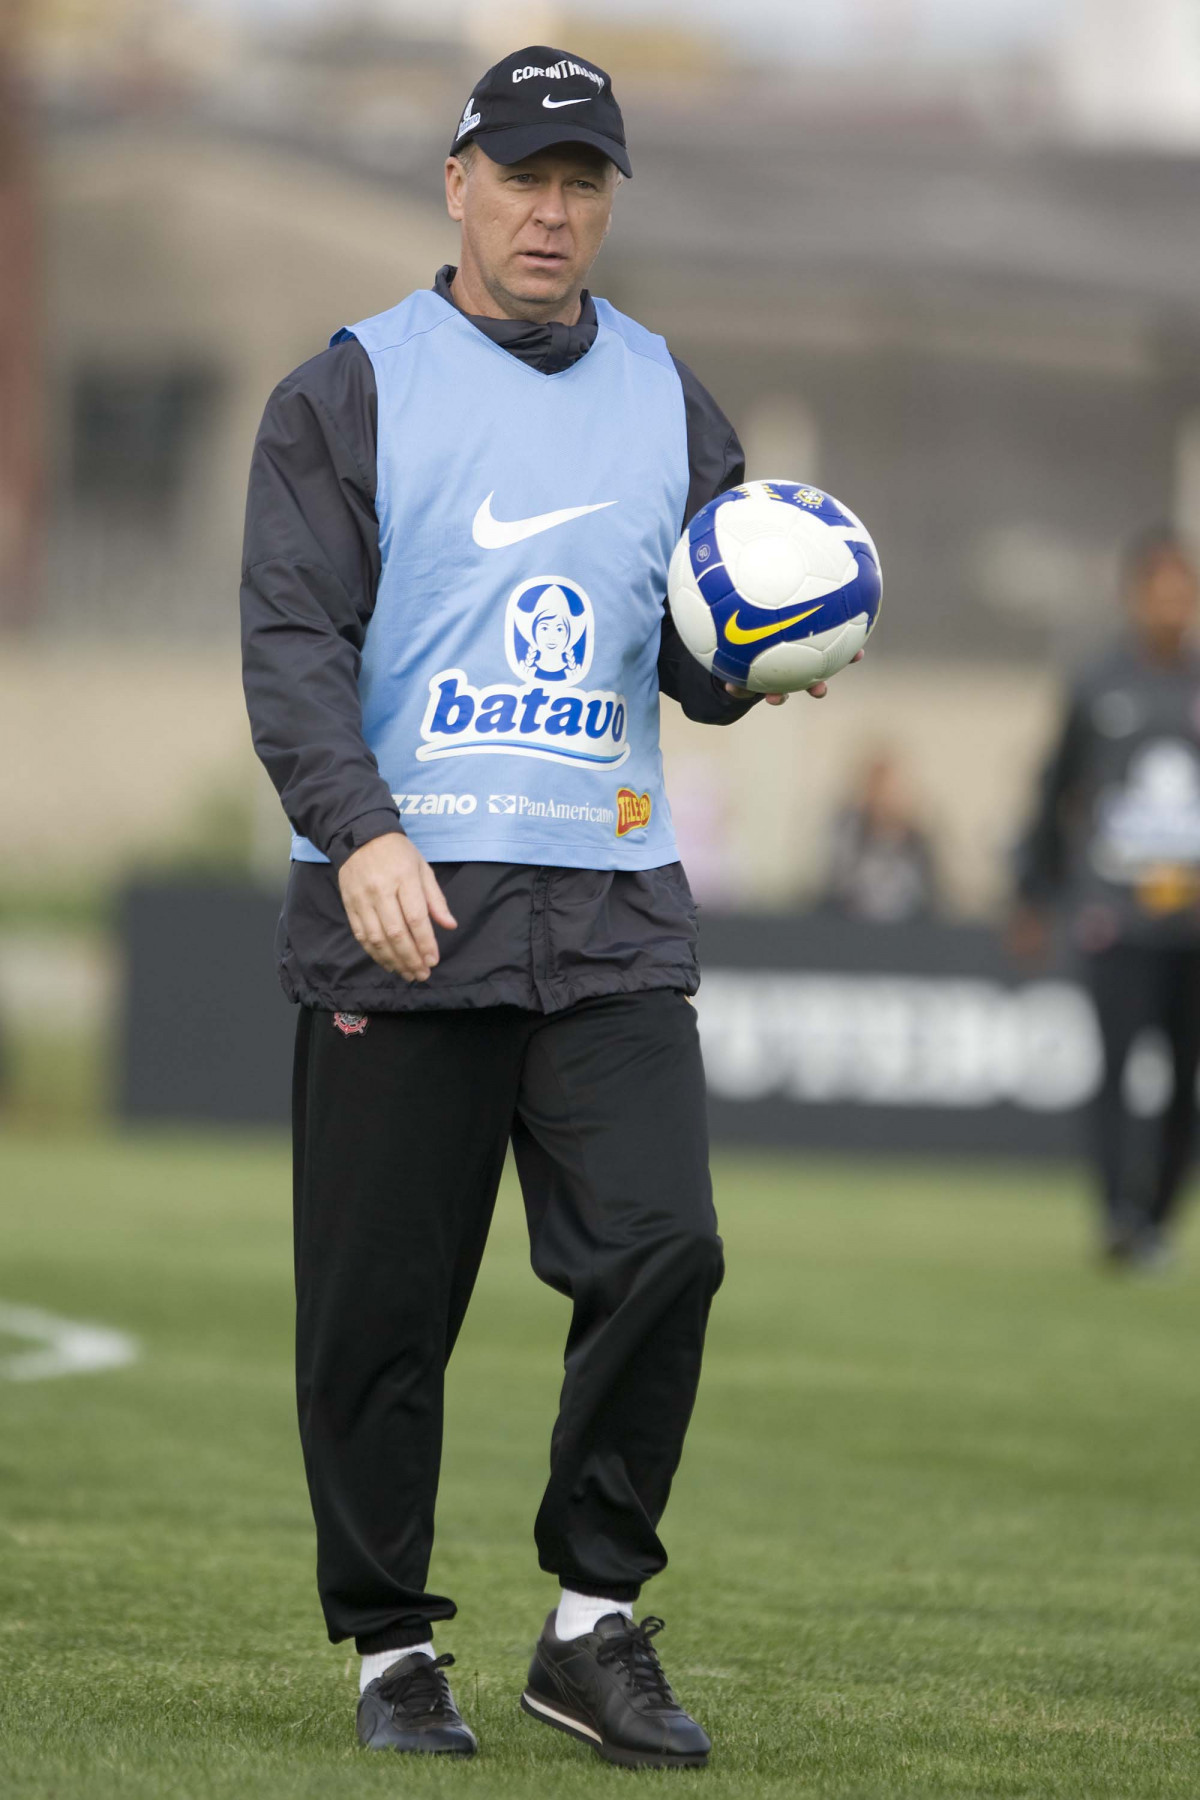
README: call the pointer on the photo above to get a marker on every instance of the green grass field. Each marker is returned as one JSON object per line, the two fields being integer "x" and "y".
{"x": 935, "y": 1532}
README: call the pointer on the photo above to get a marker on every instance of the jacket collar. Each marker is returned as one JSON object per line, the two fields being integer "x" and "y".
{"x": 549, "y": 348}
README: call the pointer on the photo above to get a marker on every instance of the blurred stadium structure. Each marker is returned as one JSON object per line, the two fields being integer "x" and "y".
{"x": 955, "y": 280}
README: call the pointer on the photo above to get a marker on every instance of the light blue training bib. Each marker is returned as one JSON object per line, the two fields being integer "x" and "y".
{"x": 509, "y": 675}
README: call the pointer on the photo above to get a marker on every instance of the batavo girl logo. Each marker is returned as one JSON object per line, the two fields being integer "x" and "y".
{"x": 549, "y": 630}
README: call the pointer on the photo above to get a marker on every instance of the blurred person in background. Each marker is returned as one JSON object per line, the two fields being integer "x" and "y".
{"x": 882, "y": 866}
{"x": 1115, "y": 844}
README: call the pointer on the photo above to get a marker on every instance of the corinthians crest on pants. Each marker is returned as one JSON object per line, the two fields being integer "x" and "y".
{"x": 549, "y": 632}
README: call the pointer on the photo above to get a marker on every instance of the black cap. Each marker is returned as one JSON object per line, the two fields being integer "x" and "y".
{"x": 538, "y": 97}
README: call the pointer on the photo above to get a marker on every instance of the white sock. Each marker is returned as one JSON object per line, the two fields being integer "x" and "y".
{"x": 581, "y": 1613}
{"x": 373, "y": 1666}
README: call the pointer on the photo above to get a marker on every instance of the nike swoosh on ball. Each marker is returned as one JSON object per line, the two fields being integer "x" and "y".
{"x": 743, "y": 634}
{"x": 496, "y": 534}
{"x": 553, "y": 103}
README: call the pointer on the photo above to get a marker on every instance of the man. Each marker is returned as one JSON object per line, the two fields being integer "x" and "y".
{"x": 1117, "y": 837}
{"x": 458, "y": 529}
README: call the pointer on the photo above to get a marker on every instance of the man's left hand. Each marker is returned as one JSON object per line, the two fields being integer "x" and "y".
{"x": 817, "y": 691}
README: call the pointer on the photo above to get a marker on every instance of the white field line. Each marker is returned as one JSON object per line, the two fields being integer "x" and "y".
{"x": 67, "y": 1347}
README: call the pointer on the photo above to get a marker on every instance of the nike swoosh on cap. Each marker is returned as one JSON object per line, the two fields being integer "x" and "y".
{"x": 740, "y": 634}
{"x": 548, "y": 102}
{"x": 497, "y": 534}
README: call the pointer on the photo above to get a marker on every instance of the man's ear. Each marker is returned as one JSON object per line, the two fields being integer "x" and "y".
{"x": 456, "y": 182}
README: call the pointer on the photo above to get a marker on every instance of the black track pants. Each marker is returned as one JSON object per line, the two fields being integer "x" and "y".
{"x": 1142, "y": 1163}
{"x": 400, "y": 1138}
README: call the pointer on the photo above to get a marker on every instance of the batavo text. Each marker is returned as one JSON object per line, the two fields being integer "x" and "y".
{"x": 576, "y": 727}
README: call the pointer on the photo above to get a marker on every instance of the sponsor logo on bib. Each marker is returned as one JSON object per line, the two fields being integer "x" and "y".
{"x": 425, "y": 804}
{"x": 633, "y": 811}
{"x": 549, "y": 633}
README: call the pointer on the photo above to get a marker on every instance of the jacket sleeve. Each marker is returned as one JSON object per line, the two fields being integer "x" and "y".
{"x": 310, "y": 571}
{"x": 1041, "y": 857}
{"x": 716, "y": 461}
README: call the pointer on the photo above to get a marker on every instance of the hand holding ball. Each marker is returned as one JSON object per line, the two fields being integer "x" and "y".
{"x": 774, "y": 586}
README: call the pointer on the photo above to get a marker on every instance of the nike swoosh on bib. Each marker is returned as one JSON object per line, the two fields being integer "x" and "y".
{"x": 496, "y": 534}
{"x": 548, "y": 102}
{"x": 738, "y": 634}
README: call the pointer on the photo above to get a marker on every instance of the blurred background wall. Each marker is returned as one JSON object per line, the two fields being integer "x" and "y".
{"x": 944, "y": 261}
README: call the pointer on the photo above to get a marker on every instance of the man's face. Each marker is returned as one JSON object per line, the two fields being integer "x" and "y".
{"x": 532, "y": 229}
{"x": 1164, "y": 603}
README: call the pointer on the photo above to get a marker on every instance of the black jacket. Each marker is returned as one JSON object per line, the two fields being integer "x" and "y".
{"x": 527, "y": 936}
{"x": 1115, "y": 836}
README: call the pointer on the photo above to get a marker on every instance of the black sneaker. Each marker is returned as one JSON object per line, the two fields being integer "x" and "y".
{"x": 410, "y": 1707}
{"x": 608, "y": 1689}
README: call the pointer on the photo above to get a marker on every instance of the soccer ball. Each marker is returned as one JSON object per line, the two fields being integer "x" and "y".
{"x": 774, "y": 585}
